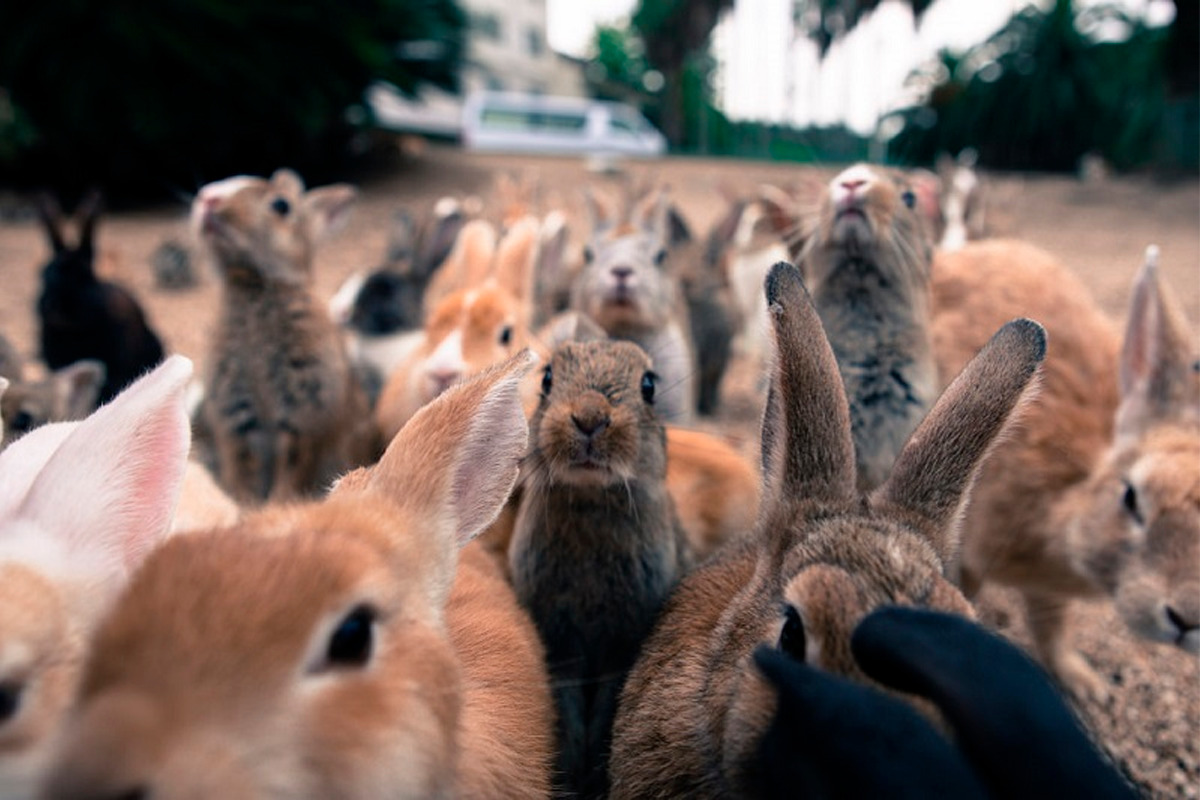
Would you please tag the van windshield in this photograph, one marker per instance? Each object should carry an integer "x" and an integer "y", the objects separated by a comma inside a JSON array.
[{"x": 509, "y": 119}]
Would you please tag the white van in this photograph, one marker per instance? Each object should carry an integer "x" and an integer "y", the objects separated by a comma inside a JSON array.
[{"x": 523, "y": 123}]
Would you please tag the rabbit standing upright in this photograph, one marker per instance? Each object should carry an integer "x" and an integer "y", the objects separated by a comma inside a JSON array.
[
  {"x": 82, "y": 316},
  {"x": 81, "y": 504},
  {"x": 356, "y": 647},
  {"x": 822, "y": 555},
  {"x": 596, "y": 546},
  {"x": 285, "y": 410},
  {"x": 1097, "y": 493}
]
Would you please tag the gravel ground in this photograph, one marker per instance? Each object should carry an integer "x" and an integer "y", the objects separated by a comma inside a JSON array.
[{"x": 1151, "y": 722}]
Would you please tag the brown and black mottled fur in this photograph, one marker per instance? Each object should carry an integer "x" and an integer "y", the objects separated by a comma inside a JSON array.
[
  {"x": 284, "y": 409},
  {"x": 597, "y": 547}
]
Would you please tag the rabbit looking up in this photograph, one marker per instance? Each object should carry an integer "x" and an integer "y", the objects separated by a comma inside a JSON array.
[
  {"x": 596, "y": 546},
  {"x": 822, "y": 555},
  {"x": 341, "y": 648},
  {"x": 285, "y": 411}
]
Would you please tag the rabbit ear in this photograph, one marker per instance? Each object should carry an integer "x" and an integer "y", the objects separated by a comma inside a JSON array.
[
  {"x": 77, "y": 387},
  {"x": 824, "y": 730},
  {"x": 402, "y": 239},
  {"x": 552, "y": 255},
  {"x": 938, "y": 463},
  {"x": 598, "y": 217},
  {"x": 328, "y": 207},
  {"x": 437, "y": 239},
  {"x": 1159, "y": 371},
  {"x": 89, "y": 212},
  {"x": 288, "y": 181},
  {"x": 453, "y": 465},
  {"x": 1008, "y": 720},
  {"x": 471, "y": 260},
  {"x": 109, "y": 484},
  {"x": 516, "y": 256},
  {"x": 806, "y": 446},
  {"x": 51, "y": 216}
]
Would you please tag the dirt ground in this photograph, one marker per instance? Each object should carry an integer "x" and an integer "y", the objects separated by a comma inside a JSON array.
[{"x": 1151, "y": 723}]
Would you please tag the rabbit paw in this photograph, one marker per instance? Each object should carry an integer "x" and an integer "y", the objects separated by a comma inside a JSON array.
[{"x": 1078, "y": 678}]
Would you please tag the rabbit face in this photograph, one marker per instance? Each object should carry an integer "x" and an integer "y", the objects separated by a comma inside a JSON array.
[
  {"x": 468, "y": 332},
  {"x": 1141, "y": 539},
  {"x": 624, "y": 286},
  {"x": 597, "y": 401}
]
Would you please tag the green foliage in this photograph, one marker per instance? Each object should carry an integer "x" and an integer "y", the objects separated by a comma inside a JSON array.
[
  {"x": 1043, "y": 91},
  {"x": 171, "y": 93}
]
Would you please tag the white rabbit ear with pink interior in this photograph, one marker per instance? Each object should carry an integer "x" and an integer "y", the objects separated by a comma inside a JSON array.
[{"x": 90, "y": 499}]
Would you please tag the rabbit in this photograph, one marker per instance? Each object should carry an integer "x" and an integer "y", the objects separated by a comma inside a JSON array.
[
  {"x": 283, "y": 407},
  {"x": 822, "y": 555},
  {"x": 474, "y": 327},
  {"x": 69, "y": 393},
  {"x": 867, "y": 264},
  {"x": 81, "y": 504},
  {"x": 12, "y": 366},
  {"x": 1014, "y": 736},
  {"x": 596, "y": 546},
  {"x": 81, "y": 316},
  {"x": 1097, "y": 494},
  {"x": 356, "y": 646},
  {"x": 382, "y": 311},
  {"x": 962, "y": 198},
  {"x": 627, "y": 287}
]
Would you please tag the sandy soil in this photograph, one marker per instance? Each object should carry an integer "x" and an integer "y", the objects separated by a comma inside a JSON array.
[{"x": 1150, "y": 724}]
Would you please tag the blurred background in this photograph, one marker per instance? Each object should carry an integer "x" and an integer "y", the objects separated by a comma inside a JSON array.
[{"x": 154, "y": 99}]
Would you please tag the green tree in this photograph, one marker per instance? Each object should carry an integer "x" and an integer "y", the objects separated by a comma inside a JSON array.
[{"x": 171, "y": 93}]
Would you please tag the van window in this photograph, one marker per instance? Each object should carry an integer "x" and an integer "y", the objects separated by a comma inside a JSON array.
[{"x": 517, "y": 120}]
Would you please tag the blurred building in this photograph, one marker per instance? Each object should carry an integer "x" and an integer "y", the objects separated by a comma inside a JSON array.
[{"x": 508, "y": 51}]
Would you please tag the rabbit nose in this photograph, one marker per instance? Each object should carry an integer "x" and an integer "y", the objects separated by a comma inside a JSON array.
[
  {"x": 444, "y": 379},
  {"x": 622, "y": 274},
  {"x": 853, "y": 185},
  {"x": 590, "y": 424}
]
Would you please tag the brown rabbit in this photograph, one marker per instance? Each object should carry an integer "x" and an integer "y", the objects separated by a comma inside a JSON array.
[
  {"x": 628, "y": 288},
  {"x": 867, "y": 265},
  {"x": 822, "y": 556},
  {"x": 597, "y": 546},
  {"x": 284, "y": 408},
  {"x": 68, "y": 393},
  {"x": 482, "y": 322},
  {"x": 1097, "y": 493},
  {"x": 342, "y": 648}
]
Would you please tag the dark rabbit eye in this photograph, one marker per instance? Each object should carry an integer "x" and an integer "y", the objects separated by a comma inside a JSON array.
[
  {"x": 587, "y": 255},
  {"x": 648, "y": 381},
  {"x": 10, "y": 700},
  {"x": 547, "y": 381},
  {"x": 791, "y": 638},
  {"x": 660, "y": 257},
  {"x": 22, "y": 422},
  {"x": 281, "y": 206},
  {"x": 909, "y": 198},
  {"x": 1130, "y": 501},
  {"x": 350, "y": 644},
  {"x": 506, "y": 335}
]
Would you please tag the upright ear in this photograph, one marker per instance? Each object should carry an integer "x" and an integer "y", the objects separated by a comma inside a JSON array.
[
  {"x": 471, "y": 259},
  {"x": 806, "y": 446},
  {"x": 598, "y": 217},
  {"x": 77, "y": 387},
  {"x": 108, "y": 491},
  {"x": 1160, "y": 368},
  {"x": 437, "y": 239},
  {"x": 328, "y": 207},
  {"x": 1012, "y": 725},
  {"x": 516, "y": 256},
  {"x": 402, "y": 239},
  {"x": 51, "y": 216},
  {"x": 453, "y": 465},
  {"x": 552, "y": 254},
  {"x": 89, "y": 212},
  {"x": 935, "y": 469}
]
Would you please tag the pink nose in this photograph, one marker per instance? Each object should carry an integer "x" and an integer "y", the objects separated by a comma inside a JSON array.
[
  {"x": 852, "y": 185},
  {"x": 443, "y": 380}
]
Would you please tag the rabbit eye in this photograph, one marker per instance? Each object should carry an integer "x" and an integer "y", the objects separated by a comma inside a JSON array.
[
  {"x": 506, "y": 335},
  {"x": 648, "y": 381},
  {"x": 547, "y": 381},
  {"x": 281, "y": 206},
  {"x": 660, "y": 257},
  {"x": 1130, "y": 501},
  {"x": 791, "y": 638},
  {"x": 909, "y": 198},
  {"x": 22, "y": 422},
  {"x": 10, "y": 700},
  {"x": 350, "y": 644},
  {"x": 587, "y": 255}
]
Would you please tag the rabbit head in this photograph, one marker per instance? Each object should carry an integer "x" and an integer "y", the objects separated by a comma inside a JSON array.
[
  {"x": 595, "y": 424},
  {"x": 65, "y": 394},
  {"x": 81, "y": 504},
  {"x": 67, "y": 262},
  {"x": 266, "y": 230},
  {"x": 304, "y": 652},
  {"x": 624, "y": 285},
  {"x": 1139, "y": 532}
]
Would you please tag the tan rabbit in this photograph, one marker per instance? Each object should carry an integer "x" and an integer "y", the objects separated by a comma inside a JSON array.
[
  {"x": 1097, "y": 493},
  {"x": 342, "y": 648},
  {"x": 597, "y": 546},
  {"x": 822, "y": 555},
  {"x": 867, "y": 264},
  {"x": 477, "y": 325},
  {"x": 628, "y": 288},
  {"x": 66, "y": 394},
  {"x": 81, "y": 504},
  {"x": 284, "y": 408}
]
